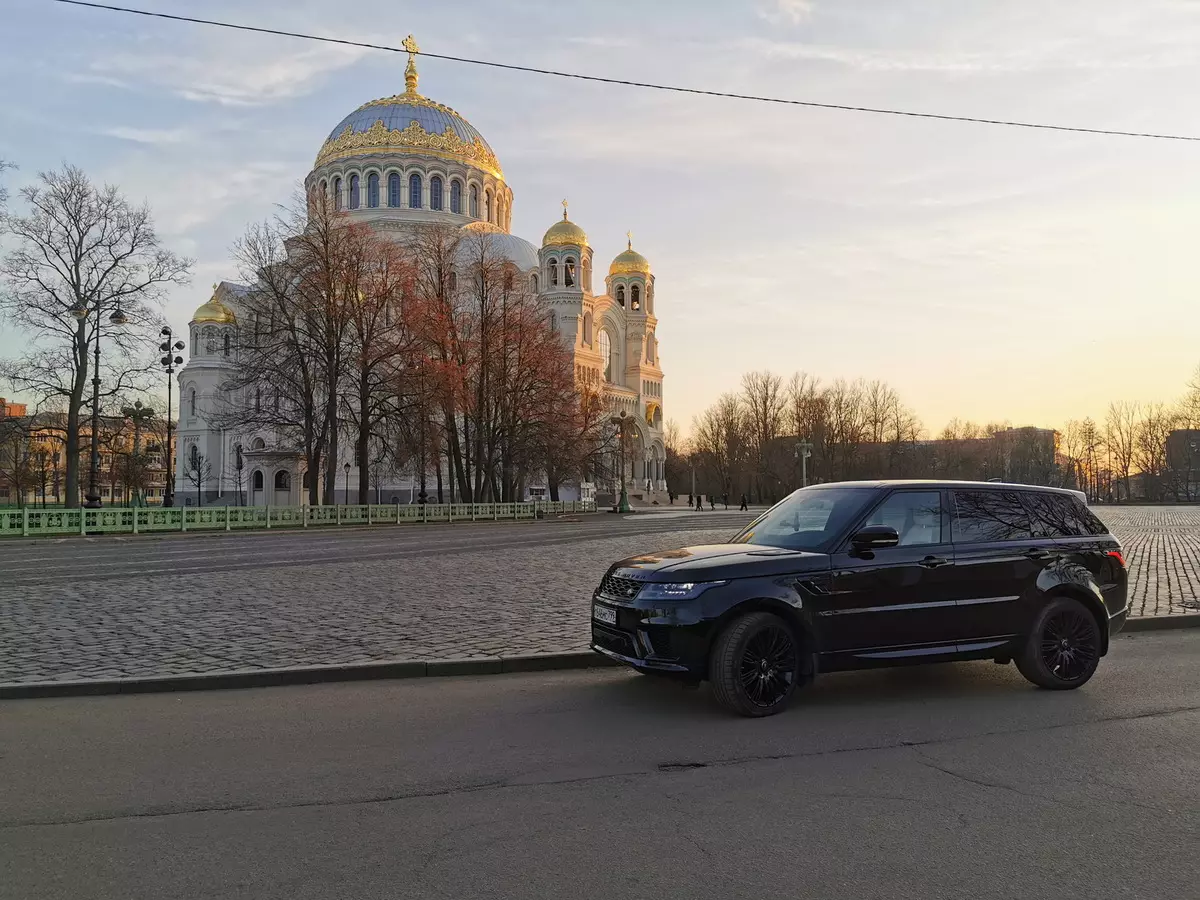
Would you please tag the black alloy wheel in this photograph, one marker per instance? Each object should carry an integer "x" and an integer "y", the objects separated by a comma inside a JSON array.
[
  {"x": 1063, "y": 649},
  {"x": 755, "y": 665}
]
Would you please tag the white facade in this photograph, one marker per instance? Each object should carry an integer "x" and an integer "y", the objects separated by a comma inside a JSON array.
[{"x": 396, "y": 164}]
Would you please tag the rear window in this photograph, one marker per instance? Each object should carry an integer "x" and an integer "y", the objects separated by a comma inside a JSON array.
[
  {"x": 1061, "y": 515},
  {"x": 985, "y": 516}
]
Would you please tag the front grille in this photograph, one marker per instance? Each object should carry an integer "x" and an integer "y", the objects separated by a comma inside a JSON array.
[
  {"x": 619, "y": 588},
  {"x": 616, "y": 641}
]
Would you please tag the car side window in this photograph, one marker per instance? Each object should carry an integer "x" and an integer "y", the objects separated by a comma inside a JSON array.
[
  {"x": 984, "y": 516},
  {"x": 1054, "y": 515},
  {"x": 916, "y": 516}
]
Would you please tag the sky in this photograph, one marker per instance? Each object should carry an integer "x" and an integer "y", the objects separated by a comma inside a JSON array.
[{"x": 986, "y": 273}]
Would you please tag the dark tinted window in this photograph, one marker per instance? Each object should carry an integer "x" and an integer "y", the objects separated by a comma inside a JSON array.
[
  {"x": 1057, "y": 515},
  {"x": 981, "y": 516},
  {"x": 807, "y": 520},
  {"x": 916, "y": 516}
]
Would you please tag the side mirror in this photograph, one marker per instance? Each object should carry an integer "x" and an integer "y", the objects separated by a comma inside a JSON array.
[{"x": 875, "y": 537}]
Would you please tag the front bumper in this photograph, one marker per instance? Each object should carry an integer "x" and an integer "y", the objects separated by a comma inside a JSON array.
[{"x": 654, "y": 636}]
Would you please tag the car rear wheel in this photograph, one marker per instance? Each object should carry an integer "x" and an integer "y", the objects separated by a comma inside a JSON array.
[
  {"x": 755, "y": 665},
  {"x": 1063, "y": 648}
]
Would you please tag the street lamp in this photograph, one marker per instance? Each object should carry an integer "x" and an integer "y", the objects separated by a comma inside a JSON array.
[
  {"x": 803, "y": 452},
  {"x": 346, "y": 469},
  {"x": 169, "y": 361},
  {"x": 619, "y": 421},
  {"x": 118, "y": 319}
]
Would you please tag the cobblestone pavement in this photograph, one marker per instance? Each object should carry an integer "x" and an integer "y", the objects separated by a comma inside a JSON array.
[{"x": 112, "y": 607}]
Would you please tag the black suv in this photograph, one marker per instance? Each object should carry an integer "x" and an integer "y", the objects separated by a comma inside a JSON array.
[{"x": 862, "y": 574}]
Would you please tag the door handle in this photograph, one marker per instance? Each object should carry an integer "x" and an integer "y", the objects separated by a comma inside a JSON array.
[
  {"x": 932, "y": 562},
  {"x": 1037, "y": 553}
]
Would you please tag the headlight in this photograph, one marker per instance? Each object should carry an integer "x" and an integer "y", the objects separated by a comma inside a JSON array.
[{"x": 685, "y": 590}]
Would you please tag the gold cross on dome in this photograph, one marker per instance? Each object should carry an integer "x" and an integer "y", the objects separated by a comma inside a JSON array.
[
  {"x": 564, "y": 210},
  {"x": 410, "y": 44},
  {"x": 629, "y": 238},
  {"x": 410, "y": 71}
]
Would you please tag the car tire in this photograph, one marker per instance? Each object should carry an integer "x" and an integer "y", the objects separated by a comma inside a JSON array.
[
  {"x": 755, "y": 665},
  {"x": 1063, "y": 647}
]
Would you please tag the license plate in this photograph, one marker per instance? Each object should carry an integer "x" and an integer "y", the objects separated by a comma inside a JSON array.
[{"x": 604, "y": 614}]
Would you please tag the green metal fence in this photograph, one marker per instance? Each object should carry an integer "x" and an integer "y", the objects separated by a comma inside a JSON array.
[{"x": 30, "y": 522}]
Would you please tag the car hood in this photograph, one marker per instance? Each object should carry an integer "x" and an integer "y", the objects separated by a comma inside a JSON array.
[{"x": 719, "y": 562}]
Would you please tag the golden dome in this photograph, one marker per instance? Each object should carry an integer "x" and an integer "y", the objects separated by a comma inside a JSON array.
[
  {"x": 629, "y": 262},
  {"x": 215, "y": 311},
  {"x": 565, "y": 232}
]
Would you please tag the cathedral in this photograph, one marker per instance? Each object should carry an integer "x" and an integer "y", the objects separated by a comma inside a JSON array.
[{"x": 397, "y": 164}]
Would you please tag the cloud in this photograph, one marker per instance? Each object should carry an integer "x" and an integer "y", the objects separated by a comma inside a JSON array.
[
  {"x": 786, "y": 12},
  {"x": 230, "y": 75},
  {"x": 152, "y": 136}
]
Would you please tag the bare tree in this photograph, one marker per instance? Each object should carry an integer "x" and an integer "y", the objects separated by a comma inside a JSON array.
[
  {"x": 1156, "y": 424},
  {"x": 1121, "y": 435},
  {"x": 196, "y": 471},
  {"x": 764, "y": 402},
  {"x": 717, "y": 438},
  {"x": 82, "y": 250}
]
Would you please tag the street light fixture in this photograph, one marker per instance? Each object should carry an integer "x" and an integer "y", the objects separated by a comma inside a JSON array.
[
  {"x": 169, "y": 361},
  {"x": 346, "y": 469},
  {"x": 117, "y": 319},
  {"x": 137, "y": 414},
  {"x": 803, "y": 453},
  {"x": 619, "y": 421}
]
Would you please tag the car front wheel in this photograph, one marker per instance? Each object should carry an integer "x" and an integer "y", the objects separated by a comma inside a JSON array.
[
  {"x": 1063, "y": 648},
  {"x": 755, "y": 665}
]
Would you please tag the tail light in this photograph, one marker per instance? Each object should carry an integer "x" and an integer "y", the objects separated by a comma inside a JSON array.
[{"x": 1118, "y": 556}]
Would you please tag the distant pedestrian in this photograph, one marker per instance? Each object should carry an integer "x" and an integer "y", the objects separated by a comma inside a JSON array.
[
  {"x": 691, "y": 501},
  {"x": 725, "y": 499},
  {"x": 712, "y": 502},
  {"x": 700, "y": 502},
  {"x": 744, "y": 507}
]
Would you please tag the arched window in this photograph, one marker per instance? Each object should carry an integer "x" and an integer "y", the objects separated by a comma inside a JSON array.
[
  {"x": 257, "y": 480},
  {"x": 435, "y": 192},
  {"x": 587, "y": 274},
  {"x": 192, "y": 403},
  {"x": 606, "y": 354},
  {"x": 650, "y": 348},
  {"x": 373, "y": 190},
  {"x": 650, "y": 299},
  {"x": 635, "y": 297},
  {"x": 553, "y": 321},
  {"x": 354, "y": 194},
  {"x": 414, "y": 191},
  {"x": 587, "y": 329},
  {"x": 283, "y": 481},
  {"x": 258, "y": 444},
  {"x": 621, "y": 295},
  {"x": 474, "y": 202},
  {"x": 258, "y": 399},
  {"x": 337, "y": 193},
  {"x": 552, "y": 269},
  {"x": 533, "y": 286},
  {"x": 569, "y": 274},
  {"x": 393, "y": 189},
  {"x": 324, "y": 189},
  {"x": 487, "y": 206},
  {"x": 228, "y": 343},
  {"x": 453, "y": 281},
  {"x": 456, "y": 197},
  {"x": 194, "y": 457}
]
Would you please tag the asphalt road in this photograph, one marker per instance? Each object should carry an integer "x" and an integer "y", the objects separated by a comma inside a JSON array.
[{"x": 941, "y": 782}]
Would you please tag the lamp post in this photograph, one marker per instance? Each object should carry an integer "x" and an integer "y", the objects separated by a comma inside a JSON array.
[
  {"x": 346, "y": 469},
  {"x": 619, "y": 421},
  {"x": 803, "y": 452},
  {"x": 118, "y": 319},
  {"x": 169, "y": 361}
]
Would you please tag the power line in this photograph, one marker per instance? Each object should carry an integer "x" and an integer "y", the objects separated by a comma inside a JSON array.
[{"x": 638, "y": 84}]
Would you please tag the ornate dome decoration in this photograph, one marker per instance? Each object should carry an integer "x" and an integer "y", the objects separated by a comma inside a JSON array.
[
  {"x": 409, "y": 122},
  {"x": 629, "y": 262},
  {"x": 565, "y": 232},
  {"x": 214, "y": 311}
]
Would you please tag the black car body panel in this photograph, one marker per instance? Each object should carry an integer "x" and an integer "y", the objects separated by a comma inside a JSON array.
[{"x": 975, "y": 565}]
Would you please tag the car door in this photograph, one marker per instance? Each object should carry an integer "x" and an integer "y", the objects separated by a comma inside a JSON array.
[
  {"x": 897, "y": 601},
  {"x": 997, "y": 562}
]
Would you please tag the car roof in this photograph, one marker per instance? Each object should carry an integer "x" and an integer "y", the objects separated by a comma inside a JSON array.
[{"x": 941, "y": 483}]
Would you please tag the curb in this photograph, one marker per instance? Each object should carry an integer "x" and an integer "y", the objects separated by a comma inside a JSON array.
[
  {"x": 1161, "y": 623},
  {"x": 480, "y": 665},
  {"x": 254, "y": 678}
]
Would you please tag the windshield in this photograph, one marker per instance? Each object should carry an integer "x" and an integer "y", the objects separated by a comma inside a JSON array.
[{"x": 807, "y": 520}]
